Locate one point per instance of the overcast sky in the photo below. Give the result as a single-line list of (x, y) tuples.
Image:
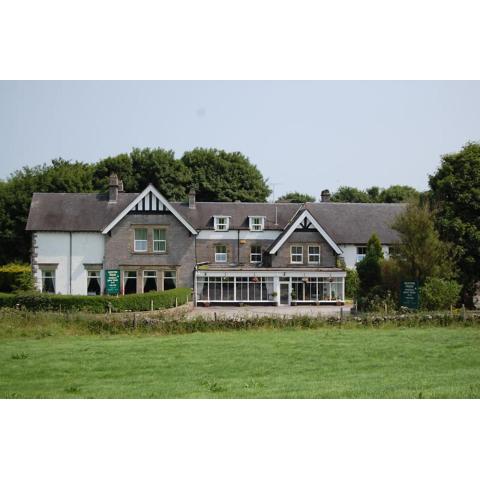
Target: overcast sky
[(303, 136)]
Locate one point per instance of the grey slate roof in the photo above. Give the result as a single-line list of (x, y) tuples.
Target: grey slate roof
[(344, 222), (74, 212), (355, 222)]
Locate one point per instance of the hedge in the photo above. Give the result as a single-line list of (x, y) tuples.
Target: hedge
[(95, 304), (15, 276)]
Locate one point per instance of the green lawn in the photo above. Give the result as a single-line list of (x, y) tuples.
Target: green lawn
[(324, 363)]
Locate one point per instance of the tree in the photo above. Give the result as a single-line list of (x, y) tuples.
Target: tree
[(369, 269), (16, 196), (350, 195), (295, 197), (392, 194), (455, 192), (223, 176), (420, 252), (159, 167), (121, 165), (398, 194)]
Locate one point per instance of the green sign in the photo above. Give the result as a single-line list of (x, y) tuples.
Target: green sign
[(409, 294), (112, 282)]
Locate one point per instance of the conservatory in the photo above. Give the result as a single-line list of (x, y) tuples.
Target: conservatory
[(269, 287)]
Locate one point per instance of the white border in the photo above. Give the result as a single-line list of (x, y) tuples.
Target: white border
[(137, 199), (294, 226)]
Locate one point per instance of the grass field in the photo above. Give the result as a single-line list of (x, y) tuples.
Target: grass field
[(428, 362)]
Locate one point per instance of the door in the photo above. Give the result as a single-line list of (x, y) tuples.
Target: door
[(284, 294)]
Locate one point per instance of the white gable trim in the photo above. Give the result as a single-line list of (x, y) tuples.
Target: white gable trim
[(163, 200), (294, 226)]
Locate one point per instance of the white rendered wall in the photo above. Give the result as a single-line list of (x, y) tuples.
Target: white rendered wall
[(54, 248), (350, 254)]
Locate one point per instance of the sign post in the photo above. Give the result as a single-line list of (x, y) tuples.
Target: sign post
[(409, 296), (112, 282)]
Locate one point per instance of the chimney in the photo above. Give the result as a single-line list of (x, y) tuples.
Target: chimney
[(325, 195), (120, 186), (113, 188), (191, 198)]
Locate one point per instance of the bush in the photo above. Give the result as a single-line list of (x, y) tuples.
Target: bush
[(15, 276), (352, 283), (439, 294), (35, 301)]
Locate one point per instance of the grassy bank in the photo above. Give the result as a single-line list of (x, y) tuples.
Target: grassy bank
[(427, 362)]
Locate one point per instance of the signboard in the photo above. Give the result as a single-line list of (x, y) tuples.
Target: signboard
[(409, 294), (112, 282)]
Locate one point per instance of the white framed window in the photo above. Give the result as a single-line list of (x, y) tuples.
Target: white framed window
[(221, 223), (296, 254), (149, 281), (140, 240), (169, 279), (220, 254), (93, 282), (314, 254), (361, 252), (255, 254), (129, 282), (48, 281), (257, 224), (159, 240)]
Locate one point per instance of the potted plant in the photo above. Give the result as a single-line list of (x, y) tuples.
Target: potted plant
[(274, 296), (293, 296)]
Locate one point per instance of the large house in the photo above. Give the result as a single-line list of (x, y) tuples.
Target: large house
[(228, 252)]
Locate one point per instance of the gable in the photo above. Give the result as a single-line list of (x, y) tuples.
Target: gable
[(149, 201), (304, 221)]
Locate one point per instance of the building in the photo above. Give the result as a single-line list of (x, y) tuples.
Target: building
[(119, 242)]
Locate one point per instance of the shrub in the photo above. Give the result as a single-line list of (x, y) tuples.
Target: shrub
[(439, 294), (15, 276), (352, 283), (35, 301)]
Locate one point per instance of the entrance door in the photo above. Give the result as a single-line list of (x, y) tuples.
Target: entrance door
[(284, 294)]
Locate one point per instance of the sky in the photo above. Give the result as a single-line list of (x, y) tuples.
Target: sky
[(303, 136)]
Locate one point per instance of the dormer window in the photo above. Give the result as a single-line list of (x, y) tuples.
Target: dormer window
[(257, 224), (221, 223)]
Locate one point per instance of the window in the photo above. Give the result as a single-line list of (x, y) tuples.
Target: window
[(140, 240), (296, 254), (169, 280), (235, 289), (255, 254), (129, 282), (48, 281), (159, 240), (93, 282), (149, 281), (361, 252), (221, 224), (314, 254), (257, 224), (220, 254)]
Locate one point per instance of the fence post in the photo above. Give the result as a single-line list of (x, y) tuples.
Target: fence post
[(176, 301), (341, 313), (151, 305)]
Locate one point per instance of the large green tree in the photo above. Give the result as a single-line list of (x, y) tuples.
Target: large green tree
[(225, 176), (16, 196), (455, 191), (295, 197), (420, 252)]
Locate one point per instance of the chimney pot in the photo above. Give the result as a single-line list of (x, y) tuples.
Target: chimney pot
[(325, 195), (191, 198)]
